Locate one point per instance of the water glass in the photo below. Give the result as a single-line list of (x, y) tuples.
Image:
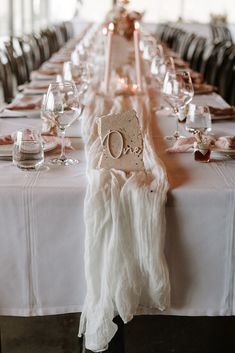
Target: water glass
[(28, 151), (198, 118)]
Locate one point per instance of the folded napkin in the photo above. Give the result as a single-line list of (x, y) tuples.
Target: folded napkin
[(25, 103), (59, 60), (6, 140), (225, 142), (50, 71), (38, 85), (196, 77), (222, 112), (179, 63), (48, 126), (36, 75), (10, 138), (183, 144), (49, 65), (203, 88)]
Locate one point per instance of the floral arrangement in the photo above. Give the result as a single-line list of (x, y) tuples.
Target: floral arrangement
[(123, 20)]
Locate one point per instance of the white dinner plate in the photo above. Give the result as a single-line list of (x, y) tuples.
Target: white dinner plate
[(6, 150)]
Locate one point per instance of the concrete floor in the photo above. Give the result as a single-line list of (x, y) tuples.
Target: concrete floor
[(48, 334), (144, 334)]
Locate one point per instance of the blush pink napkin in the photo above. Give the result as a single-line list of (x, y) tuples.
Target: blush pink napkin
[(6, 140), (9, 140), (225, 142), (183, 144), (26, 103)]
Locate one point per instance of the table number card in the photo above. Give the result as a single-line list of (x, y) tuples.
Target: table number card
[(122, 142)]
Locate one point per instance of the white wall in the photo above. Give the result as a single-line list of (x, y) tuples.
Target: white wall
[(190, 10), (62, 9), (95, 10)]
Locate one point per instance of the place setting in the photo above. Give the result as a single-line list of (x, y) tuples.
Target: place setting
[(204, 143)]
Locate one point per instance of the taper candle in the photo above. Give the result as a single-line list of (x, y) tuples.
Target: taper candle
[(108, 58), (137, 54)]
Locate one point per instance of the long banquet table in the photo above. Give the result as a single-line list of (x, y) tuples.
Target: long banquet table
[(42, 230)]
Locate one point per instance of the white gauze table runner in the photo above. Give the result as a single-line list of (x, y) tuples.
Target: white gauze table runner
[(125, 229)]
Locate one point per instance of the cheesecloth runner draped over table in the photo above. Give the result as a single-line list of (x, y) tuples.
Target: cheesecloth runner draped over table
[(125, 229)]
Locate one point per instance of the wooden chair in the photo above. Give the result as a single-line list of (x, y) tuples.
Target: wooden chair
[(7, 78), (221, 58), (231, 89), (68, 28), (186, 45), (191, 49), (226, 78), (211, 64), (221, 32), (17, 60), (43, 45), (49, 36), (206, 56), (196, 60)]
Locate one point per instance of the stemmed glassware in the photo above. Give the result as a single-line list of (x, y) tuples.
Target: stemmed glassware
[(79, 74), (148, 47), (63, 108), (178, 91), (159, 66)]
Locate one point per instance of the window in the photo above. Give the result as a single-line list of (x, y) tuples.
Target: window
[(28, 16), (23, 16), (4, 16), (18, 7)]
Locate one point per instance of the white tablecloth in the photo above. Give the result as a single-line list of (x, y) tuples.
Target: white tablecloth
[(42, 232)]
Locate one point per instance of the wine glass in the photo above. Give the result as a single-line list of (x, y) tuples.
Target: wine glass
[(80, 74), (198, 118), (62, 107), (148, 46), (178, 91), (159, 66)]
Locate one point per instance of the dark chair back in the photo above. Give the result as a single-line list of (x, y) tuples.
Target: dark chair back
[(6, 77), (196, 60), (220, 62), (17, 60), (226, 78)]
